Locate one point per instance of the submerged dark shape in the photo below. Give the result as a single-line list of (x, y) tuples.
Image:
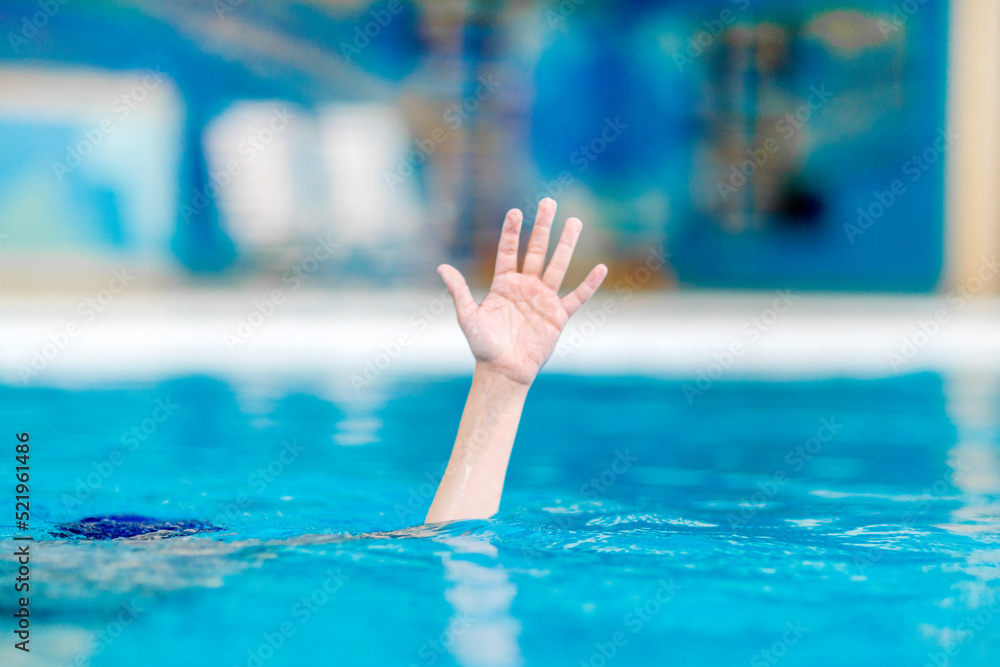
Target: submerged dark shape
[(131, 525)]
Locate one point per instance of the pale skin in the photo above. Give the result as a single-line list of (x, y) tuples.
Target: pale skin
[(512, 333)]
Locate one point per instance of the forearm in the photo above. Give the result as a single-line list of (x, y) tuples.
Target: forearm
[(512, 332), (473, 481)]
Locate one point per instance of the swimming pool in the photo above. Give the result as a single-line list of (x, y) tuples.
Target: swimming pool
[(803, 523)]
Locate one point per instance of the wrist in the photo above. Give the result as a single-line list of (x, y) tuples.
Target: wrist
[(500, 380)]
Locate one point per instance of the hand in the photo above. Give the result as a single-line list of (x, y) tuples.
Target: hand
[(515, 329)]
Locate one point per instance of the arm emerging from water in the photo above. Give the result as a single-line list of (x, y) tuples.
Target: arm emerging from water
[(512, 333)]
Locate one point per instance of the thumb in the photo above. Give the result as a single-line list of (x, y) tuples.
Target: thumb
[(458, 288)]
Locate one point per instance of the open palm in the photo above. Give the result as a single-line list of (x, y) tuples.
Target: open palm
[(516, 327)]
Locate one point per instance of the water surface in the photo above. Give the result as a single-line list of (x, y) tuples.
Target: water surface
[(806, 523)]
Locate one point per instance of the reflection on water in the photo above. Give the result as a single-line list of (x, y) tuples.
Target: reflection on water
[(886, 531), (973, 403), (481, 631)]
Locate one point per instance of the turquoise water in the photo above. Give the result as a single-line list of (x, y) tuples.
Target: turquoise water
[(801, 523)]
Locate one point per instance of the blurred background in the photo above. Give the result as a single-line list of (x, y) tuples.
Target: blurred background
[(215, 139), (816, 145), (238, 205)]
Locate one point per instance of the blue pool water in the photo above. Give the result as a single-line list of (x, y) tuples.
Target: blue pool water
[(799, 523)]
